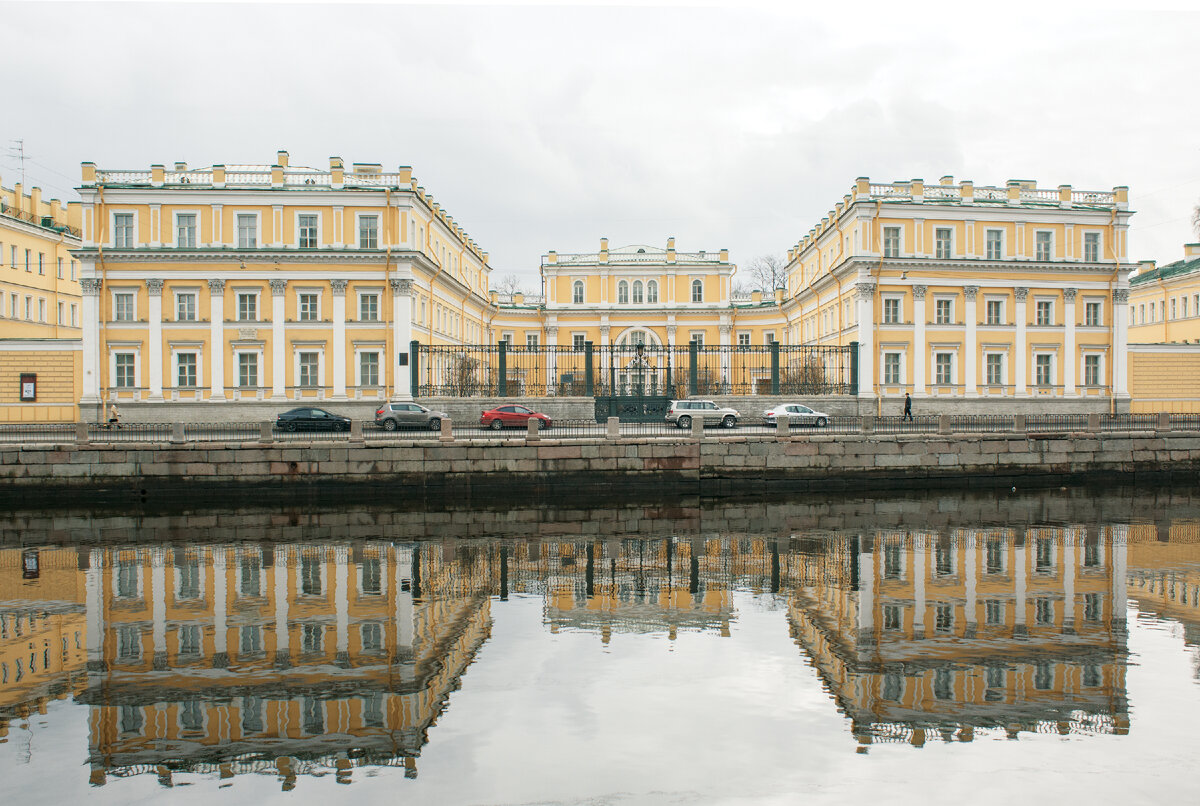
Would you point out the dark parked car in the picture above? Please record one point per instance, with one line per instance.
(391, 416)
(306, 419)
(512, 415)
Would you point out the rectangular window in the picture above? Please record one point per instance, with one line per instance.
(994, 557)
(995, 312)
(12, 256)
(1091, 247)
(1174, 315)
(368, 308)
(1091, 607)
(995, 241)
(60, 271)
(698, 337)
(41, 309)
(247, 231)
(123, 230)
(1043, 611)
(185, 230)
(891, 617)
(1045, 312)
(28, 266)
(61, 312)
(577, 340)
(41, 263)
(73, 271)
(893, 561)
(368, 232)
(372, 637)
(943, 311)
(1182, 307)
(371, 576)
(993, 612)
(250, 640)
(123, 302)
(943, 617)
(891, 242)
(74, 319)
(185, 307)
(943, 368)
(768, 337)
(697, 291)
(251, 576)
(531, 340)
(247, 370)
(1091, 313)
(1043, 375)
(307, 225)
(186, 369)
(891, 311)
(891, 368)
(125, 370)
(995, 369)
(941, 243)
(743, 339)
(308, 307)
(189, 639)
(368, 369)
(247, 307)
(1091, 370)
(309, 366)
(310, 641)
(1045, 245)
(310, 576)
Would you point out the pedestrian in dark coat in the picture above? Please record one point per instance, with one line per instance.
(907, 406)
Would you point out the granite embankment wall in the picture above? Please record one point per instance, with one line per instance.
(706, 465)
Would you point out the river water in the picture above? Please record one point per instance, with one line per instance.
(946, 647)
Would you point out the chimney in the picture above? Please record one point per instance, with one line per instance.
(1191, 250)
(281, 159)
(181, 166)
(1145, 266)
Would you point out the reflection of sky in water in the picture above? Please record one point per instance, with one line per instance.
(578, 714)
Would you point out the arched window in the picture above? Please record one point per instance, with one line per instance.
(637, 292)
(577, 292)
(697, 291)
(622, 293)
(652, 292)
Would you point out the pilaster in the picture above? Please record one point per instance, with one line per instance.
(216, 342)
(278, 345)
(338, 287)
(154, 288)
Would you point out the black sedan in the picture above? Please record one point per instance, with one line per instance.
(306, 419)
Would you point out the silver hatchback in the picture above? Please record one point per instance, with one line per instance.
(391, 416)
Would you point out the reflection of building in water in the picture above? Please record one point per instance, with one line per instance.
(1164, 574)
(286, 659)
(1016, 629)
(639, 586)
(41, 631)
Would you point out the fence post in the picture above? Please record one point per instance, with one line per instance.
(614, 427)
(868, 423)
(356, 434)
(1018, 422)
(1094, 423)
(1164, 421)
(589, 372)
(693, 367)
(774, 367)
(502, 369)
(264, 431)
(854, 368)
(177, 432)
(783, 427)
(944, 424)
(532, 429)
(81, 434)
(447, 434)
(414, 374)
(698, 425)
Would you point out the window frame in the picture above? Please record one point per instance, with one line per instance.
(299, 364)
(1037, 245)
(177, 365)
(1099, 375)
(898, 243)
(577, 292)
(623, 292)
(988, 302)
(1049, 368)
(122, 292)
(948, 301)
(1002, 375)
(363, 294)
(1098, 305)
(938, 243)
(300, 227)
(135, 362)
(175, 216)
(361, 355)
(257, 355)
(1099, 244)
(237, 229)
(180, 294)
(359, 220)
(119, 241)
(938, 380)
(304, 312)
(890, 300)
(988, 242)
(1041, 304)
(697, 286)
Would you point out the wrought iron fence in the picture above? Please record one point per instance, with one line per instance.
(651, 370)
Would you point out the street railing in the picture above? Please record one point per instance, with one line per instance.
(1035, 426)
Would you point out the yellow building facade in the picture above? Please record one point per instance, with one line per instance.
(1163, 300)
(40, 307)
(958, 293)
(268, 282)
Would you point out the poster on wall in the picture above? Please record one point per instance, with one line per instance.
(28, 386)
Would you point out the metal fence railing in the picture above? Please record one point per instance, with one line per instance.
(470, 429)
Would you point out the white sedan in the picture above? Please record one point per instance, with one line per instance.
(798, 414)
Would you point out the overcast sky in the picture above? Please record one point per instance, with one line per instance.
(547, 126)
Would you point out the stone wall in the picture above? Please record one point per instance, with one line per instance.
(679, 464)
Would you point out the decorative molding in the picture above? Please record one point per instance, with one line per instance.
(726, 329)
(864, 291)
(90, 285)
(402, 286)
(155, 286)
(216, 286)
(278, 286)
(919, 292)
(1121, 296)
(970, 291)
(1069, 294)
(552, 332)
(339, 286)
(1021, 292)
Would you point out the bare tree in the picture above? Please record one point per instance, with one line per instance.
(1196, 220)
(764, 273)
(510, 284)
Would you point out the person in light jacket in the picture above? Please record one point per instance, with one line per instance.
(114, 415)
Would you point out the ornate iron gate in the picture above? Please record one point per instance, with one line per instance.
(637, 383)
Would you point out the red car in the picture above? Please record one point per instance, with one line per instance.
(513, 415)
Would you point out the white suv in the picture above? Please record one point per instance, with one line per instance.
(681, 413)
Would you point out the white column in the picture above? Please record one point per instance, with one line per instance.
(402, 334)
(919, 349)
(971, 364)
(671, 328)
(216, 340)
(1120, 382)
(1069, 358)
(1120, 536)
(154, 344)
(404, 604)
(1068, 565)
(970, 559)
(220, 609)
(866, 593)
(94, 597)
(281, 606)
(918, 570)
(158, 599)
(278, 344)
(551, 360)
(90, 311)
(605, 355)
(1020, 315)
(339, 338)
(864, 294)
(341, 601)
(1019, 579)
(726, 332)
